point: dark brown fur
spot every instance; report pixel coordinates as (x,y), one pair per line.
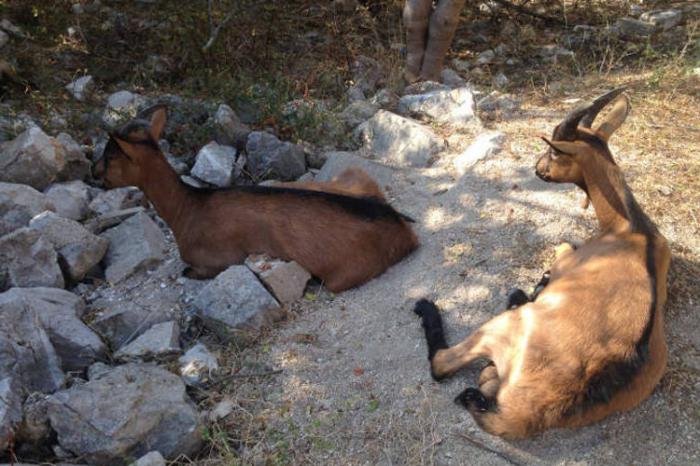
(342,232)
(592,343)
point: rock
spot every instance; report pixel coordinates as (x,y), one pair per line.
(69,199)
(500,80)
(236,300)
(497,102)
(230,131)
(76,165)
(81,87)
(121,107)
(455,106)
(159,341)
(116,199)
(121,321)
(399,141)
(633,28)
(554,53)
(10,409)
(450,78)
(268,157)
(4,39)
(10,28)
(664,19)
(357,112)
(33,158)
(27,259)
(461,65)
(26,352)
(221,410)
(307,177)
(486,57)
(355,93)
(424,87)
(484,146)
(59,312)
(126,412)
(286,280)
(386,99)
(135,244)
(34,428)
(367,73)
(18,204)
(215,164)
(197,364)
(337,162)
(153,458)
(78,249)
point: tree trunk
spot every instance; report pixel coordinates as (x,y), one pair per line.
(416,14)
(443,24)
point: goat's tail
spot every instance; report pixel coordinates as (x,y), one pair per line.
(432,324)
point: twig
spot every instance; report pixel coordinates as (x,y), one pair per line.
(500,454)
(215,33)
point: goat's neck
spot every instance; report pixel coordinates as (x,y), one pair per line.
(609,195)
(168,195)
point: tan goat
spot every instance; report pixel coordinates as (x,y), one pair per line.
(592,342)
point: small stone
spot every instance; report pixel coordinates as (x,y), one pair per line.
(215,164)
(384,98)
(286,280)
(221,410)
(236,300)
(69,199)
(634,28)
(121,107)
(116,199)
(665,190)
(4,39)
(197,364)
(486,57)
(10,28)
(484,146)
(451,78)
(81,87)
(27,259)
(664,19)
(495,102)
(358,112)
(135,244)
(230,131)
(268,157)
(76,166)
(78,249)
(18,204)
(455,106)
(355,93)
(399,141)
(500,80)
(159,341)
(153,458)
(461,65)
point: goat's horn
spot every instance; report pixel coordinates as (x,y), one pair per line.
(598,104)
(583,115)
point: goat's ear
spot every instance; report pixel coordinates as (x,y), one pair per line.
(614,119)
(158,119)
(127,148)
(564,147)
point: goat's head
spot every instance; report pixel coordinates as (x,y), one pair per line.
(128,148)
(577,138)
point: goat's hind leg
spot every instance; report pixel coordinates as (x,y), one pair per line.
(433,327)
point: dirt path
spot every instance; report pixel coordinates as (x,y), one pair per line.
(355,387)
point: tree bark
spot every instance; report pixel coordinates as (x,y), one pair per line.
(416,14)
(443,24)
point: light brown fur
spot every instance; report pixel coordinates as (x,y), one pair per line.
(547,353)
(215,229)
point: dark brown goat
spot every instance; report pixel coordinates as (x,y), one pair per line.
(592,342)
(343,232)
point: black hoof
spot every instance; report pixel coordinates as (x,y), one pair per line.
(473,399)
(544,281)
(424,308)
(516,298)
